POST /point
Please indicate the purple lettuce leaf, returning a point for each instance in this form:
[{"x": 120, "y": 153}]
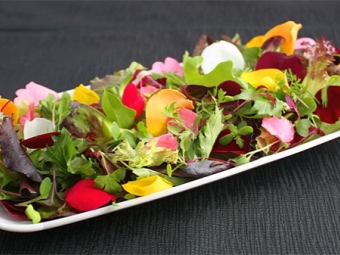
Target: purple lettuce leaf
[
  {"x": 13, "y": 210},
  {"x": 201, "y": 169},
  {"x": 15, "y": 158}
]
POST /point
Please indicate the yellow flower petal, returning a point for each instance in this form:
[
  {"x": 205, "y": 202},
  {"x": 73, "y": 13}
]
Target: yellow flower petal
[
  {"x": 155, "y": 107},
  {"x": 288, "y": 30},
  {"x": 85, "y": 95},
  {"x": 147, "y": 186},
  {"x": 268, "y": 77}
]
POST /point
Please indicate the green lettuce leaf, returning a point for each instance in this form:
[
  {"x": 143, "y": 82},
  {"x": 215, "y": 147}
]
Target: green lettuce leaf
[
  {"x": 222, "y": 72},
  {"x": 115, "y": 109}
]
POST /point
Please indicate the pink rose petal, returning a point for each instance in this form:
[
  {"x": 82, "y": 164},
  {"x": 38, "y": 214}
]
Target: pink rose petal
[
  {"x": 33, "y": 93},
  {"x": 188, "y": 117},
  {"x": 279, "y": 127},
  {"x": 303, "y": 43},
  {"x": 29, "y": 116},
  {"x": 147, "y": 90},
  {"x": 169, "y": 65},
  {"x": 167, "y": 141}
]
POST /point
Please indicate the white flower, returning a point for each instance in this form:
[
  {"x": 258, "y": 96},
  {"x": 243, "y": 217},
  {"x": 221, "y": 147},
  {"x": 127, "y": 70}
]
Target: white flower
[
  {"x": 37, "y": 126},
  {"x": 220, "y": 52}
]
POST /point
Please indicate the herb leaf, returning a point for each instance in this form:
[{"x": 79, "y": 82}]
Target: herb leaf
[
  {"x": 210, "y": 132},
  {"x": 114, "y": 109},
  {"x": 110, "y": 182}
]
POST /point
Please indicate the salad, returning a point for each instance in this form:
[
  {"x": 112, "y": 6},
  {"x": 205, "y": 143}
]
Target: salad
[{"x": 142, "y": 130}]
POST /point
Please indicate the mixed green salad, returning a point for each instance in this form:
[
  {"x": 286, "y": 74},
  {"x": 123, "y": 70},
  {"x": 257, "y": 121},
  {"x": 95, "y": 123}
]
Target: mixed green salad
[{"x": 142, "y": 130}]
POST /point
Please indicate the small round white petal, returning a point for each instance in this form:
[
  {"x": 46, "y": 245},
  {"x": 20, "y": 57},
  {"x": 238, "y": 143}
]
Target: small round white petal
[{"x": 218, "y": 52}]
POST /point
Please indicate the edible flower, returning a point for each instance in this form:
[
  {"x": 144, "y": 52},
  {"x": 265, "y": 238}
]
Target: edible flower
[
  {"x": 37, "y": 126},
  {"x": 271, "y": 78},
  {"x": 85, "y": 95},
  {"x": 187, "y": 119},
  {"x": 329, "y": 113},
  {"x": 33, "y": 93},
  {"x": 146, "y": 91},
  {"x": 167, "y": 141},
  {"x": 282, "y": 61},
  {"x": 265, "y": 139},
  {"x": 281, "y": 128},
  {"x": 7, "y": 107},
  {"x": 29, "y": 115},
  {"x": 303, "y": 43},
  {"x": 219, "y": 52},
  {"x": 288, "y": 30},
  {"x": 168, "y": 66},
  {"x": 132, "y": 99},
  {"x": 156, "y": 120},
  {"x": 85, "y": 196},
  {"x": 147, "y": 186}
]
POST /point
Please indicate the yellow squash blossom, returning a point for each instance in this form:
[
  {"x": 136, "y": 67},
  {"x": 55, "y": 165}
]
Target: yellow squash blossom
[
  {"x": 147, "y": 186},
  {"x": 156, "y": 120},
  {"x": 85, "y": 96},
  {"x": 288, "y": 30},
  {"x": 268, "y": 77}
]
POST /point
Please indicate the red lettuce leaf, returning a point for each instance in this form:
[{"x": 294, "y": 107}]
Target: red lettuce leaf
[{"x": 14, "y": 211}]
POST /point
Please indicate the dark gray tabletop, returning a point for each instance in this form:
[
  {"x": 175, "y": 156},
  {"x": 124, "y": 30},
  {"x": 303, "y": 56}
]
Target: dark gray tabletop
[{"x": 291, "y": 206}]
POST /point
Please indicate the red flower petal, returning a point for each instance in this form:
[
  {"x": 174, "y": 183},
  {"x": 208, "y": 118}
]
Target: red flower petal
[
  {"x": 40, "y": 141},
  {"x": 281, "y": 61},
  {"x": 230, "y": 87},
  {"x": 331, "y": 113},
  {"x": 85, "y": 196},
  {"x": 132, "y": 99}
]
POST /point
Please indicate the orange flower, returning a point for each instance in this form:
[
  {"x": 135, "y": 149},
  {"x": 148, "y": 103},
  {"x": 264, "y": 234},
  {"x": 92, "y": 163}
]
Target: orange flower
[
  {"x": 156, "y": 120},
  {"x": 7, "y": 107},
  {"x": 288, "y": 30}
]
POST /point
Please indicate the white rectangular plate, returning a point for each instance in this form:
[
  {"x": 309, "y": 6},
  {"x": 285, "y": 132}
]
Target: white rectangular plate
[{"x": 8, "y": 223}]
